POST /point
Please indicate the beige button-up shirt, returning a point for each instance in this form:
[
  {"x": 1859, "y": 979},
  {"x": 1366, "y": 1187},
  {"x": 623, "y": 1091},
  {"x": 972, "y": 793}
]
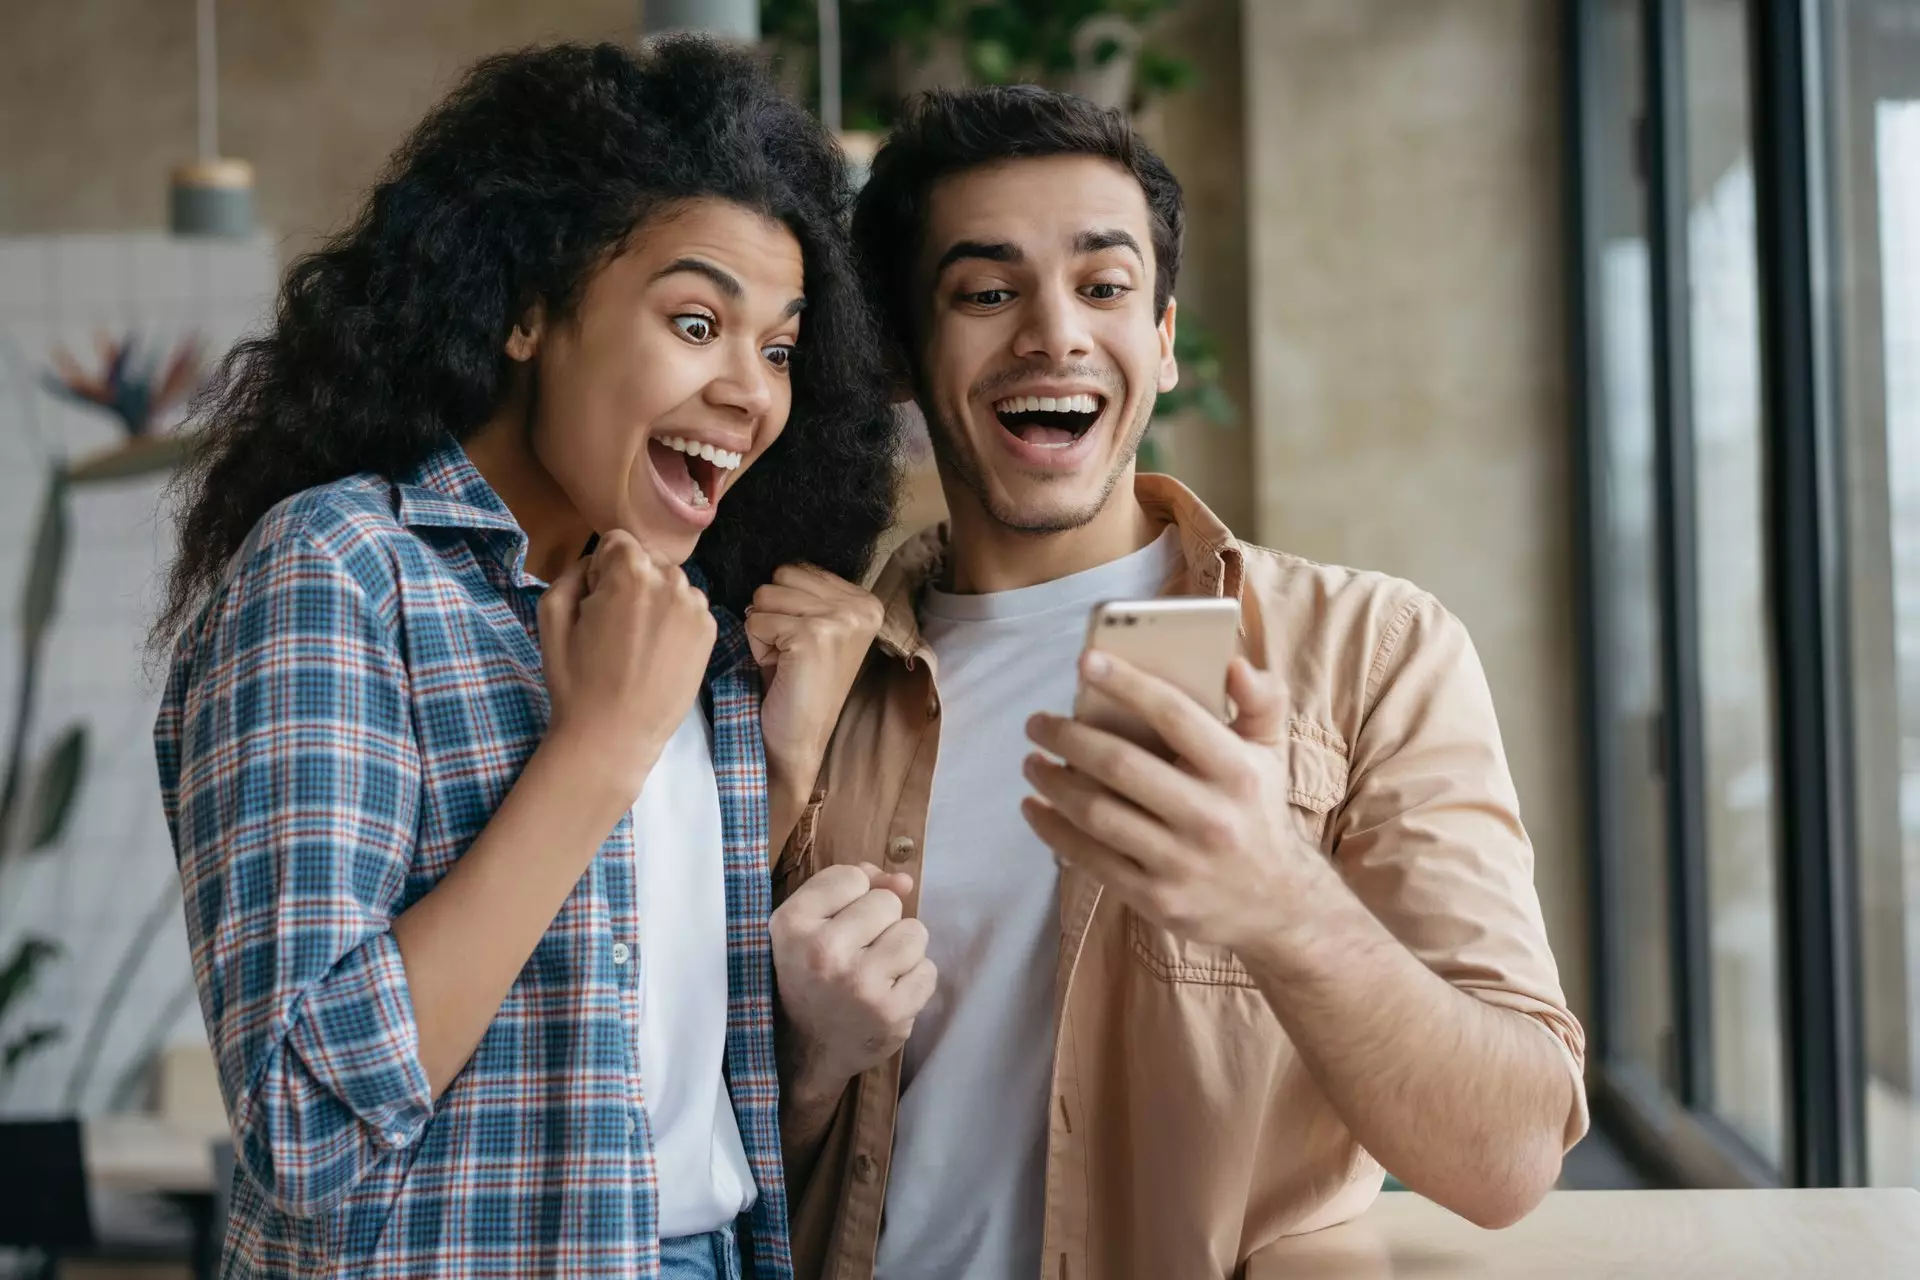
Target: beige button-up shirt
[{"x": 1185, "y": 1131}]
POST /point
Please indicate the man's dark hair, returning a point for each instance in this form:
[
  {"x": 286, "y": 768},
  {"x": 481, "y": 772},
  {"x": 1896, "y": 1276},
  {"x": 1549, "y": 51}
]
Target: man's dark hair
[
  {"x": 949, "y": 131},
  {"x": 537, "y": 170}
]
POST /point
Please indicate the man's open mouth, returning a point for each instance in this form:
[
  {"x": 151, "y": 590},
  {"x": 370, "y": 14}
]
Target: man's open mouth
[
  {"x": 689, "y": 470},
  {"x": 1049, "y": 422}
]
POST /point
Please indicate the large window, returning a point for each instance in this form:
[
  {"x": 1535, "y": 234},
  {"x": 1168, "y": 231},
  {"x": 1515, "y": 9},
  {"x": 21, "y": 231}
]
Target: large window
[
  {"x": 1746, "y": 236},
  {"x": 1874, "y": 91}
]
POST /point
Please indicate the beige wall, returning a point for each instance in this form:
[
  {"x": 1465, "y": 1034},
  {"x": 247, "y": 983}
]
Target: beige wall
[
  {"x": 97, "y": 98},
  {"x": 1410, "y": 394},
  {"x": 1201, "y": 133}
]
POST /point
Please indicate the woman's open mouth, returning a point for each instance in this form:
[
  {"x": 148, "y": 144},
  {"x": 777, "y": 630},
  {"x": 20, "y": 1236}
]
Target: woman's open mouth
[{"x": 690, "y": 474}]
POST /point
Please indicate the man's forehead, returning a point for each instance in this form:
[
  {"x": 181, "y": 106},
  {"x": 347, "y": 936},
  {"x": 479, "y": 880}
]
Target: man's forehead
[{"x": 1036, "y": 204}]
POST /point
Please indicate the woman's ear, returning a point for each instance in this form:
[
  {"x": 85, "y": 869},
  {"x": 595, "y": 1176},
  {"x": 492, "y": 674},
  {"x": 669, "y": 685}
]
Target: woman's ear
[{"x": 523, "y": 344}]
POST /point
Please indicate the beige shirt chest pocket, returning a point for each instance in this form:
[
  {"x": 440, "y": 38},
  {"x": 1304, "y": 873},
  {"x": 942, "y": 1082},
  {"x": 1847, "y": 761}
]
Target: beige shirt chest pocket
[{"x": 1316, "y": 785}]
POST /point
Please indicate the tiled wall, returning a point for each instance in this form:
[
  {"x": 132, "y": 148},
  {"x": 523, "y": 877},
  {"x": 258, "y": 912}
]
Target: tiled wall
[{"x": 105, "y": 890}]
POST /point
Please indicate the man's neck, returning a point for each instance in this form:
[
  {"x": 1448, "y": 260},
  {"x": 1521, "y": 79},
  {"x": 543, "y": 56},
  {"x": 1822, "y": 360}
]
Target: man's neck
[{"x": 985, "y": 555}]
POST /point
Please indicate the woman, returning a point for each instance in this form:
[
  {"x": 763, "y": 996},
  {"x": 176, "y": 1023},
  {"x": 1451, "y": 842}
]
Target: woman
[{"x": 464, "y": 772}]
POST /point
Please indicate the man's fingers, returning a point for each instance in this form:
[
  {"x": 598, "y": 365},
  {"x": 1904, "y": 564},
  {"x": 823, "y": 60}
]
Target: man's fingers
[
  {"x": 897, "y": 881},
  {"x": 1163, "y": 789},
  {"x": 1256, "y": 694},
  {"x": 768, "y": 634},
  {"x": 830, "y": 892},
  {"x": 1076, "y": 848},
  {"x": 913, "y": 990},
  {"x": 796, "y": 601},
  {"x": 1096, "y": 810},
  {"x": 812, "y": 578},
  {"x": 1189, "y": 729},
  {"x": 901, "y": 946},
  {"x": 856, "y": 925}
]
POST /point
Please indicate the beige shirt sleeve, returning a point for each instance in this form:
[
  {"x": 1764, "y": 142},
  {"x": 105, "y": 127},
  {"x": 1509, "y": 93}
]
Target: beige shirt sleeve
[{"x": 1430, "y": 836}]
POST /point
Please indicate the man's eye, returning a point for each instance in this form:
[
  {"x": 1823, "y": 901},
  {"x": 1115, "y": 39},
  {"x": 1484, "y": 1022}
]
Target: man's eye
[
  {"x": 779, "y": 355},
  {"x": 989, "y": 297},
  {"x": 1106, "y": 292},
  {"x": 697, "y": 328}
]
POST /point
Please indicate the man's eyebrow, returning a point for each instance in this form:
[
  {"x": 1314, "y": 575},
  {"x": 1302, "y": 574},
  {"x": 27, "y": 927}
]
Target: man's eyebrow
[
  {"x": 989, "y": 251},
  {"x": 1095, "y": 241}
]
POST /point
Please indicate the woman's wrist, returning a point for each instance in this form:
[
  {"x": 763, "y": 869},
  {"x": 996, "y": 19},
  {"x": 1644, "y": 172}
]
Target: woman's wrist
[{"x": 597, "y": 779}]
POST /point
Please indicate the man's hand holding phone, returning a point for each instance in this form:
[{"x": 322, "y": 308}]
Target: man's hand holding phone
[{"x": 1201, "y": 843}]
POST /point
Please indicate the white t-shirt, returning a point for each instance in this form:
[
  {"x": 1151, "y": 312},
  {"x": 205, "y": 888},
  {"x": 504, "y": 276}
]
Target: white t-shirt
[
  {"x": 680, "y": 876},
  {"x": 965, "y": 1198}
]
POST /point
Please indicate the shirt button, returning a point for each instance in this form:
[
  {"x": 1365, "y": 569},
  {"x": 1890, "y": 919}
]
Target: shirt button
[
  {"x": 633, "y": 1126},
  {"x": 900, "y": 850},
  {"x": 933, "y": 706},
  {"x": 620, "y": 953},
  {"x": 863, "y": 1167}
]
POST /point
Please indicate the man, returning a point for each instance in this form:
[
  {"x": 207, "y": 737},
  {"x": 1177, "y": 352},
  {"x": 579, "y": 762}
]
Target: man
[{"x": 1182, "y": 1009}]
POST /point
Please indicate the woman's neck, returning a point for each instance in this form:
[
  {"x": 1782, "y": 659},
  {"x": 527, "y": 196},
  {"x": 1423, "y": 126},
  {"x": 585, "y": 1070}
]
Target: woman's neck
[{"x": 502, "y": 452}]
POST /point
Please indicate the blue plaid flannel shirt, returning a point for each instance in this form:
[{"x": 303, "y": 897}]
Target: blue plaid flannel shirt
[{"x": 340, "y": 723}]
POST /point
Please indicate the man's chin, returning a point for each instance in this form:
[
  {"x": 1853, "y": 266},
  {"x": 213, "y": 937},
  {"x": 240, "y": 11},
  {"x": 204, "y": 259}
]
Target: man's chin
[{"x": 1051, "y": 506}]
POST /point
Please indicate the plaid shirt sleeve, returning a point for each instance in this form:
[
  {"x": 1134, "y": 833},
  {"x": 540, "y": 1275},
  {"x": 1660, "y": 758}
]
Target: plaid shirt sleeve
[{"x": 299, "y": 784}]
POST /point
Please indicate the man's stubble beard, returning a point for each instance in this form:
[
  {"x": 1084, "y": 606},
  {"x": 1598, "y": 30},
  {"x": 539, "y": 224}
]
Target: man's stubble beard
[{"x": 954, "y": 452}]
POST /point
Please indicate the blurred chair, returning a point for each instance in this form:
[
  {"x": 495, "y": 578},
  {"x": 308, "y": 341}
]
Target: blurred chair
[{"x": 48, "y": 1208}]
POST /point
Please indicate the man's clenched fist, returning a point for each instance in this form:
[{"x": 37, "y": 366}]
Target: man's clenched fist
[{"x": 853, "y": 975}]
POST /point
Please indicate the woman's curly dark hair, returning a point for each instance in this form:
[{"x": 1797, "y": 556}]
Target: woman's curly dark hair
[{"x": 532, "y": 174}]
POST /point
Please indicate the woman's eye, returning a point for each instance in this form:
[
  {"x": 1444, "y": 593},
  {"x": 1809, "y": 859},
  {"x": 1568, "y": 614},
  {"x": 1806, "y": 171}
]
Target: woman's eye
[
  {"x": 780, "y": 355},
  {"x": 697, "y": 328},
  {"x": 989, "y": 297}
]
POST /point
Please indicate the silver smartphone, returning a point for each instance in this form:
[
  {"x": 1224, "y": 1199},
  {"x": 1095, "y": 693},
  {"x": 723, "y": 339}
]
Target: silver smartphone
[{"x": 1188, "y": 641}]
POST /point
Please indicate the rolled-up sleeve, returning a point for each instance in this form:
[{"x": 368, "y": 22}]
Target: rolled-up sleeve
[
  {"x": 1430, "y": 836},
  {"x": 298, "y": 796}
]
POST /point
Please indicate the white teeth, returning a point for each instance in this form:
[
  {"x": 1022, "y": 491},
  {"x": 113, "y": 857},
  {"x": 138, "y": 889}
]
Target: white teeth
[
  {"x": 725, "y": 459},
  {"x": 1049, "y": 404}
]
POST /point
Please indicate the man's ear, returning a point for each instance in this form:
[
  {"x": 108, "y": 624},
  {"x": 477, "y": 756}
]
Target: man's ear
[
  {"x": 523, "y": 344},
  {"x": 1169, "y": 368}
]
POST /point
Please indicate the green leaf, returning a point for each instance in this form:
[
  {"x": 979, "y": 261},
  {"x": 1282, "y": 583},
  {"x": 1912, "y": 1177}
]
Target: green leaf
[
  {"x": 18, "y": 974},
  {"x": 1216, "y": 405},
  {"x": 59, "y": 784},
  {"x": 22, "y": 1046},
  {"x": 991, "y": 60},
  {"x": 1148, "y": 456},
  {"x": 48, "y": 559}
]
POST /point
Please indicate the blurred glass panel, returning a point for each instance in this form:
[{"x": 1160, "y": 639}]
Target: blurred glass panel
[
  {"x": 1739, "y": 723},
  {"x": 1632, "y": 646},
  {"x": 1874, "y": 124}
]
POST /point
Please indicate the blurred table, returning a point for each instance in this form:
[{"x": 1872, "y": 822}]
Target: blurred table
[
  {"x": 1575, "y": 1235},
  {"x": 141, "y": 1153}
]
